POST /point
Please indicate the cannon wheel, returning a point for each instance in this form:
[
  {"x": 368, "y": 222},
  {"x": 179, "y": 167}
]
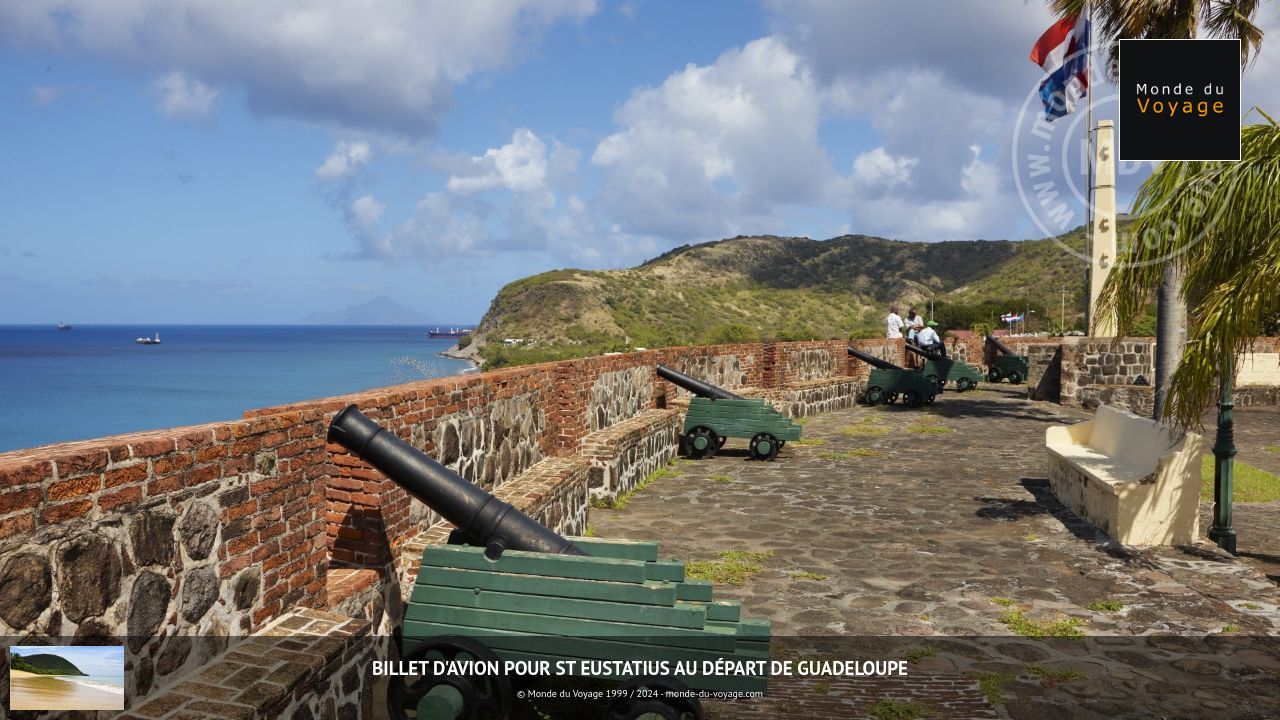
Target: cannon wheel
[
  {"x": 994, "y": 376},
  {"x": 1015, "y": 377},
  {"x": 662, "y": 698},
  {"x": 764, "y": 447},
  {"x": 936, "y": 381},
  {"x": 702, "y": 442},
  {"x": 891, "y": 398},
  {"x": 874, "y": 395},
  {"x": 480, "y": 697},
  {"x": 911, "y": 398},
  {"x": 964, "y": 384}
]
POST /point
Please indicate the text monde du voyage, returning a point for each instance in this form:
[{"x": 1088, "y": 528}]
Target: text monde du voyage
[{"x": 1179, "y": 99}]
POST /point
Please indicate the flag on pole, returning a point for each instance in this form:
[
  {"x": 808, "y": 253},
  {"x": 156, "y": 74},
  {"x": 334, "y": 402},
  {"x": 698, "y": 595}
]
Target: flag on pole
[{"x": 1062, "y": 52}]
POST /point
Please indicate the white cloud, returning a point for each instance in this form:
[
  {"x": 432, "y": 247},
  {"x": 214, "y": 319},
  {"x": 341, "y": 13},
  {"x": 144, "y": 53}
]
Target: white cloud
[
  {"x": 49, "y": 94},
  {"x": 519, "y": 166},
  {"x": 184, "y": 97},
  {"x": 378, "y": 65},
  {"x": 347, "y": 158},
  {"x": 878, "y": 168},
  {"x": 715, "y": 148}
]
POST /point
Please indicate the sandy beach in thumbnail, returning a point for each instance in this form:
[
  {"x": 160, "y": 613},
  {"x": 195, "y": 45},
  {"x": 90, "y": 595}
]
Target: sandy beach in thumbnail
[{"x": 28, "y": 691}]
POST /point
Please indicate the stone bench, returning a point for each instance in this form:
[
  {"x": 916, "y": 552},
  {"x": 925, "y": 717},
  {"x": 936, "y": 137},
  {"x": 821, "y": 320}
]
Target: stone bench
[
  {"x": 304, "y": 665},
  {"x": 1128, "y": 475},
  {"x": 623, "y": 454}
]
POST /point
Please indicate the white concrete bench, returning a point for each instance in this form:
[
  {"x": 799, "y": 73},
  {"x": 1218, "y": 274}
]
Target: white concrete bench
[{"x": 1136, "y": 480}]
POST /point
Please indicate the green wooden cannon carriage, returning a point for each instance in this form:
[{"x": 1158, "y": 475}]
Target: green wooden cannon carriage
[
  {"x": 716, "y": 414},
  {"x": 940, "y": 370},
  {"x": 508, "y": 590},
  {"x": 888, "y": 382},
  {"x": 599, "y": 613},
  {"x": 1003, "y": 364}
]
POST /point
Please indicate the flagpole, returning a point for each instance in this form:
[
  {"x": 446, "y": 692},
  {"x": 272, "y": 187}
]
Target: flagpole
[{"x": 1088, "y": 141}]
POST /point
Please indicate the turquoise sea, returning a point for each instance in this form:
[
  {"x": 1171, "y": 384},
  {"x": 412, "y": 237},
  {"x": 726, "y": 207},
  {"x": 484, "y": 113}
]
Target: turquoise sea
[{"x": 94, "y": 380}]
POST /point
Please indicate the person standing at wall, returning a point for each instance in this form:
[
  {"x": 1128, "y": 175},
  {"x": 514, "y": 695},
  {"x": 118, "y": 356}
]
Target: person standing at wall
[
  {"x": 914, "y": 324},
  {"x": 893, "y": 324}
]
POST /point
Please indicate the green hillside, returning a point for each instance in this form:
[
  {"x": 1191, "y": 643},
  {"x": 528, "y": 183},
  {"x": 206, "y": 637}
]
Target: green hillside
[
  {"x": 44, "y": 664},
  {"x": 764, "y": 288}
]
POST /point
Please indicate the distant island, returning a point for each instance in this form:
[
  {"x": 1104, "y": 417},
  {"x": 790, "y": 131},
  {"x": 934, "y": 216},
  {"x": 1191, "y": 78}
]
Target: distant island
[
  {"x": 44, "y": 664},
  {"x": 766, "y": 288},
  {"x": 381, "y": 310}
]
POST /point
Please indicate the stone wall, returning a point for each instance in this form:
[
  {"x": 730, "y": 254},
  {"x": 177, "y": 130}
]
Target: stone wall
[
  {"x": 620, "y": 395},
  {"x": 811, "y": 364}
]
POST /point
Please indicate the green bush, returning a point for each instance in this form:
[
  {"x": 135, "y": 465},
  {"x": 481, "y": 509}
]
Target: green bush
[
  {"x": 464, "y": 341},
  {"x": 735, "y": 333}
]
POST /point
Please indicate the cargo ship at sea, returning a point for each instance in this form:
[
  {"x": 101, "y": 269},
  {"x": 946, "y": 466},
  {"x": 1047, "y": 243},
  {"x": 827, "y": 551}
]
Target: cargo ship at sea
[{"x": 450, "y": 333}]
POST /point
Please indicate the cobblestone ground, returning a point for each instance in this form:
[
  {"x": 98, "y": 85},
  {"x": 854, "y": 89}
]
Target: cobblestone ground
[{"x": 890, "y": 539}]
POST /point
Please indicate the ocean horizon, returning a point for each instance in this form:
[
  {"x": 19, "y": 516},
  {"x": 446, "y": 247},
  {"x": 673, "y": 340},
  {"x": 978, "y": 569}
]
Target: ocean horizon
[{"x": 95, "y": 380}]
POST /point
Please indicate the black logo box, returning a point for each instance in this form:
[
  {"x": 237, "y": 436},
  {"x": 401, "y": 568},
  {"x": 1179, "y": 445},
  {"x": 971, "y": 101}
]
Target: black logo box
[{"x": 1185, "y": 65}]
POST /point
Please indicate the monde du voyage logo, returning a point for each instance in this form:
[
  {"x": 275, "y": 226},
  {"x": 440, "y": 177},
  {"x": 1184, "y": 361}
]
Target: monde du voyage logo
[{"x": 1179, "y": 100}]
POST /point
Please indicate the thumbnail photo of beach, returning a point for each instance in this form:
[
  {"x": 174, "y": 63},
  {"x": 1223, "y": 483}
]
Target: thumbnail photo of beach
[{"x": 66, "y": 678}]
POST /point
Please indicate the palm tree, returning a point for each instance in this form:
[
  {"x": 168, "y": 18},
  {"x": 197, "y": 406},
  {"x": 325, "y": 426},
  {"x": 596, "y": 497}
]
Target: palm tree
[
  {"x": 1222, "y": 222},
  {"x": 1169, "y": 19}
]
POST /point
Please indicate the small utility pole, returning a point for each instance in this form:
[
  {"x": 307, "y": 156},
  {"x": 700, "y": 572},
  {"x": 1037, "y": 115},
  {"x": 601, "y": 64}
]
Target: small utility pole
[
  {"x": 1062, "y": 324},
  {"x": 1224, "y": 450}
]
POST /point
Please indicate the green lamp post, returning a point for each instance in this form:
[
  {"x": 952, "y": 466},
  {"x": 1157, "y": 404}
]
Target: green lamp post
[{"x": 1224, "y": 449}]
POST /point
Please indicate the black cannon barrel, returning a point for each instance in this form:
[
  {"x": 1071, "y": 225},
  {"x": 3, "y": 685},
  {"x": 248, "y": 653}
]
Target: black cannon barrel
[
  {"x": 483, "y": 519},
  {"x": 873, "y": 361},
  {"x": 925, "y": 353},
  {"x": 995, "y": 343},
  {"x": 696, "y": 386}
]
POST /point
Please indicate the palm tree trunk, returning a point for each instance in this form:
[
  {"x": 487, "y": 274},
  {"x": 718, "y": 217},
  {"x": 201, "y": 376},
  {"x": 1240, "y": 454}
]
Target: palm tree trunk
[{"x": 1171, "y": 333}]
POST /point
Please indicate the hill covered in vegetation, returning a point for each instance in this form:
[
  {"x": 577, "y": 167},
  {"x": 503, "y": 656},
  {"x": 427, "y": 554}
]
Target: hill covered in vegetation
[
  {"x": 784, "y": 288},
  {"x": 44, "y": 664}
]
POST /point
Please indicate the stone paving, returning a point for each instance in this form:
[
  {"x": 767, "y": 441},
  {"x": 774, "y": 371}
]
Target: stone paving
[{"x": 890, "y": 539}]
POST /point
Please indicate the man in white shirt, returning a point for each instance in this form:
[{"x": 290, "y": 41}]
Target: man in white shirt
[
  {"x": 914, "y": 324},
  {"x": 894, "y": 324},
  {"x": 929, "y": 340}
]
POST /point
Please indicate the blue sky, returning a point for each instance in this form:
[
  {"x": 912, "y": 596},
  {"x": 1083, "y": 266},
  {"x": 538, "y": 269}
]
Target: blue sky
[
  {"x": 91, "y": 660},
  {"x": 172, "y": 161}
]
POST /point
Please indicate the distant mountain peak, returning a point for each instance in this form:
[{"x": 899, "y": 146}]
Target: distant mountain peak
[{"x": 380, "y": 310}]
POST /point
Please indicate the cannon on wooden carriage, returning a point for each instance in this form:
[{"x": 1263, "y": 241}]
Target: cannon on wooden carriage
[
  {"x": 940, "y": 369},
  {"x": 715, "y": 414},
  {"x": 888, "y": 382},
  {"x": 1003, "y": 363},
  {"x": 509, "y": 590}
]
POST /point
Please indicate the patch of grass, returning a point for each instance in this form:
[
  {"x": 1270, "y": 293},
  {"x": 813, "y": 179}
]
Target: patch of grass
[
  {"x": 822, "y": 688},
  {"x": 1251, "y": 606},
  {"x": 733, "y": 567},
  {"x": 1031, "y": 537},
  {"x": 1003, "y": 601},
  {"x": 991, "y": 685},
  {"x": 1248, "y": 483},
  {"x": 801, "y": 421},
  {"x": 898, "y": 710},
  {"x": 917, "y": 654},
  {"x": 1230, "y": 628},
  {"x": 929, "y": 429},
  {"x": 720, "y": 477},
  {"x": 810, "y": 442},
  {"x": 866, "y": 427},
  {"x": 1106, "y": 606},
  {"x": 1273, "y": 448},
  {"x": 806, "y": 575},
  {"x": 850, "y": 454},
  {"x": 671, "y": 469},
  {"x": 1066, "y": 627},
  {"x": 589, "y": 532},
  {"x": 1052, "y": 677}
]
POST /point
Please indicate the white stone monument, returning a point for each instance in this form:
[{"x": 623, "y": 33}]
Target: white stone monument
[{"x": 1103, "y": 250}]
